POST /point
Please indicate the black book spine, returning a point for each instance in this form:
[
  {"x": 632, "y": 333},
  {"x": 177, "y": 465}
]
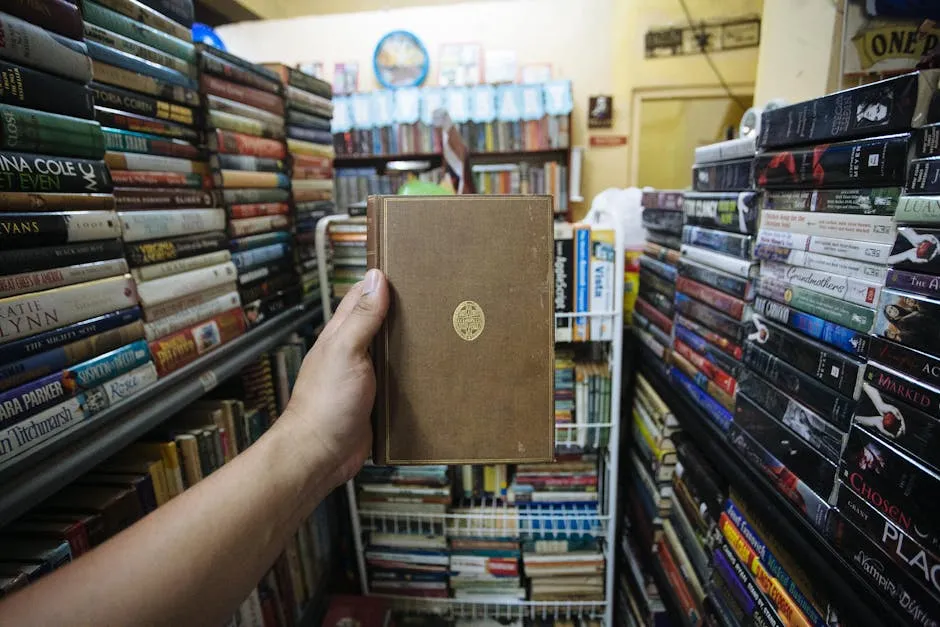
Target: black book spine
[
  {"x": 247, "y": 162},
  {"x": 924, "y": 176},
  {"x": 58, "y": 16},
  {"x": 157, "y": 251},
  {"x": 212, "y": 64},
  {"x": 736, "y": 212},
  {"x": 917, "y": 394},
  {"x": 24, "y": 87},
  {"x": 24, "y": 172},
  {"x": 730, "y": 283},
  {"x": 730, "y": 176},
  {"x": 112, "y": 97},
  {"x": 910, "y": 429},
  {"x": 181, "y": 11},
  {"x": 927, "y": 141},
  {"x": 26, "y": 230},
  {"x": 734, "y": 244},
  {"x": 49, "y": 257},
  {"x": 909, "y": 361}
]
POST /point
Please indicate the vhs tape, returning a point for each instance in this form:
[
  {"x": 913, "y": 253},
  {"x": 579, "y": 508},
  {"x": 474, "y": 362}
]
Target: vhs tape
[
  {"x": 726, "y": 176},
  {"x": 914, "y": 363},
  {"x": 663, "y": 199},
  {"x": 810, "y": 504},
  {"x": 735, "y": 307},
  {"x": 711, "y": 318},
  {"x": 843, "y": 373},
  {"x": 821, "y": 434},
  {"x": 728, "y": 211},
  {"x": 894, "y": 420},
  {"x": 908, "y": 319},
  {"x": 804, "y": 388},
  {"x": 733, "y": 244},
  {"x": 894, "y": 483},
  {"x": 916, "y": 249},
  {"x": 843, "y": 338},
  {"x": 923, "y": 176},
  {"x": 818, "y": 472},
  {"x": 924, "y": 397},
  {"x": 729, "y": 283},
  {"x": 877, "y": 201},
  {"x": 830, "y": 308},
  {"x": 665, "y": 220},
  {"x": 870, "y": 162}
]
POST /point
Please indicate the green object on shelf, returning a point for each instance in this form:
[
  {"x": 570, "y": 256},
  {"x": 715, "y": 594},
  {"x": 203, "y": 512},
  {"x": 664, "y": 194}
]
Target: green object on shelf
[{"x": 415, "y": 187}]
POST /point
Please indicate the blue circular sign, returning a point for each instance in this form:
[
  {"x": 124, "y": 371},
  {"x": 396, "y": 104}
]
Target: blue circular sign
[{"x": 400, "y": 60}]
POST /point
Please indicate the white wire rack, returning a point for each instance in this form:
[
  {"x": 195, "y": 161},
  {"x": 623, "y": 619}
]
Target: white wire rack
[{"x": 602, "y": 437}]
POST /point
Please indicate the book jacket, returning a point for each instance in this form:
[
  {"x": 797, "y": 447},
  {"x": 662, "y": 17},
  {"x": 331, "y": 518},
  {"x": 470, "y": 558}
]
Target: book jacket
[{"x": 465, "y": 357}]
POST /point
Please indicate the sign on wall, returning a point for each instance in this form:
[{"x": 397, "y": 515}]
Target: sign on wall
[
  {"x": 877, "y": 44},
  {"x": 707, "y": 36}
]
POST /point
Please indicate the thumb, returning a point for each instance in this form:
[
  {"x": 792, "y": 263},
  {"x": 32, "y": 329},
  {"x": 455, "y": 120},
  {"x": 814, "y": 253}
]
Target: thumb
[{"x": 365, "y": 318}]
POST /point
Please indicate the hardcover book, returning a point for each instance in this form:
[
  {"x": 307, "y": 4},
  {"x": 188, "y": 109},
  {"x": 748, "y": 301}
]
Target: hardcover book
[{"x": 465, "y": 358}]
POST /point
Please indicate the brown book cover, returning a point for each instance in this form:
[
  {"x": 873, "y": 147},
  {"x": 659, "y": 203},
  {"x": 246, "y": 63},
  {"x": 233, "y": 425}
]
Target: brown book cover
[{"x": 464, "y": 360}]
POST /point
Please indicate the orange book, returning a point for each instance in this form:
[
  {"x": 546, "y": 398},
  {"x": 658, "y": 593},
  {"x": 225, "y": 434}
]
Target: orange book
[{"x": 686, "y": 602}]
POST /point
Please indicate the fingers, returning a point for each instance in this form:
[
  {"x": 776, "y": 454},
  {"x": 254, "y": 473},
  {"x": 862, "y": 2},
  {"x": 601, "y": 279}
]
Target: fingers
[
  {"x": 366, "y": 316},
  {"x": 342, "y": 311}
]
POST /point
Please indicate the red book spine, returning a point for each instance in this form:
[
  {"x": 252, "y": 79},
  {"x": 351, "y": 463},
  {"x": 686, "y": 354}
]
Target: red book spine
[
  {"x": 687, "y": 603},
  {"x": 255, "y": 210},
  {"x": 654, "y": 315},
  {"x": 709, "y": 295},
  {"x": 305, "y": 195},
  {"x": 240, "y": 93},
  {"x": 174, "y": 149},
  {"x": 312, "y": 161},
  {"x": 721, "y": 378},
  {"x": 58, "y": 16},
  {"x": 183, "y": 347},
  {"x": 232, "y": 143},
  {"x": 132, "y": 178},
  {"x": 312, "y": 173}
]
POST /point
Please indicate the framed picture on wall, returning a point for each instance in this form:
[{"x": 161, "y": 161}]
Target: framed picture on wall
[
  {"x": 461, "y": 64},
  {"x": 500, "y": 66},
  {"x": 535, "y": 73},
  {"x": 346, "y": 78}
]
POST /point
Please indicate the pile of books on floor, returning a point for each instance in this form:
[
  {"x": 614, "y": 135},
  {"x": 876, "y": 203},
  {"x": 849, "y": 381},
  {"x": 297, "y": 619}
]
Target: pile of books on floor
[
  {"x": 582, "y": 402},
  {"x": 244, "y": 126},
  {"x": 348, "y": 246},
  {"x": 310, "y": 148},
  {"x": 71, "y": 339},
  {"x": 655, "y": 302}
]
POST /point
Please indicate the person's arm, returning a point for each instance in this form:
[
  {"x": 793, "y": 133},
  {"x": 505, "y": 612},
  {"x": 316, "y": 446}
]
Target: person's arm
[{"x": 195, "y": 559}]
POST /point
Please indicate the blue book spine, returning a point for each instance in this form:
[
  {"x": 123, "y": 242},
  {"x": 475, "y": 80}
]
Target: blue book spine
[
  {"x": 256, "y": 241},
  {"x": 719, "y": 415},
  {"x": 769, "y": 560},
  {"x": 582, "y": 251},
  {"x": 246, "y": 259},
  {"x": 833, "y": 334},
  {"x": 36, "y": 344},
  {"x": 30, "y": 398},
  {"x": 131, "y": 63},
  {"x": 283, "y": 181},
  {"x": 727, "y": 574}
]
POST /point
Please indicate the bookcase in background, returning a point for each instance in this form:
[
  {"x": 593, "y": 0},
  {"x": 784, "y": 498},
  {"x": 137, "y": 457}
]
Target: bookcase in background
[{"x": 503, "y": 526}]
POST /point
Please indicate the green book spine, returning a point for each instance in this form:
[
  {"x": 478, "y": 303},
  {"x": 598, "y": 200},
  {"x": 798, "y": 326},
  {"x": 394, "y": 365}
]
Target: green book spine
[
  {"x": 27, "y": 130},
  {"x": 130, "y": 46},
  {"x": 918, "y": 210},
  {"x": 836, "y": 310},
  {"x": 123, "y": 25}
]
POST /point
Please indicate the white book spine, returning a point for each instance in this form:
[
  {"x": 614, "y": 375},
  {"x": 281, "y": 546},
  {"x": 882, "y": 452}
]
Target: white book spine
[
  {"x": 878, "y": 229},
  {"x": 251, "y": 226},
  {"x": 178, "y": 285},
  {"x": 828, "y": 263},
  {"x": 157, "y": 163},
  {"x": 294, "y": 93},
  {"x": 32, "y": 46},
  {"x": 145, "y": 225},
  {"x": 727, "y": 263},
  {"x": 159, "y": 270},
  {"x": 175, "y": 306},
  {"x": 87, "y": 226},
  {"x": 869, "y": 252},
  {"x": 853, "y": 290},
  {"x": 230, "y": 106},
  {"x": 28, "y": 314},
  {"x": 189, "y": 317},
  {"x": 739, "y": 148},
  {"x": 14, "y": 284},
  {"x": 25, "y": 435},
  {"x": 655, "y": 347},
  {"x": 410, "y": 558}
]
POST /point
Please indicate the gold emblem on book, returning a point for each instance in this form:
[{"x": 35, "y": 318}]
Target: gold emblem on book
[{"x": 469, "y": 320}]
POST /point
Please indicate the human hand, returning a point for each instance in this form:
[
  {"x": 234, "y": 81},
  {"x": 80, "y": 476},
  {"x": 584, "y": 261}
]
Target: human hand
[{"x": 329, "y": 407}]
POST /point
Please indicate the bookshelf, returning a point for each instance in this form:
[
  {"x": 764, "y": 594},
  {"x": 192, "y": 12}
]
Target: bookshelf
[
  {"x": 30, "y": 479},
  {"x": 491, "y": 517},
  {"x": 379, "y": 161},
  {"x": 857, "y": 601}
]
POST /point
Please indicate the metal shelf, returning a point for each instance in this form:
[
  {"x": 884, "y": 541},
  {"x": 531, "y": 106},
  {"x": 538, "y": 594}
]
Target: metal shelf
[
  {"x": 480, "y": 609},
  {"x": 34, "y": 477},
  {"x": 855, "y": 600}
]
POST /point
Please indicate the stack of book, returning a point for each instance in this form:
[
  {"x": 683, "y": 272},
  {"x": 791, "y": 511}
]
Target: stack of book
[
  {"x": 713, "y": 287},
  {"x": 571, "y": 479},
  {"x": 348, "y": 243},
  {"x": 486, "y": 569},
  {"x": 70, "y": 335},
  {"x": 890, "y": 468},
  {"x": 654, "y": 311},
  {"x": 245, "y": 130},
  {"x": 524, "y": 178},
  {"x": 825, "y": 234},
  {"x": 310, "y": 145},
  {"x": 411, "y": 565}
]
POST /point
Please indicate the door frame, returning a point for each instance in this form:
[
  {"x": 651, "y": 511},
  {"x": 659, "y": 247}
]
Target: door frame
[{"x": 671, "y": 93}]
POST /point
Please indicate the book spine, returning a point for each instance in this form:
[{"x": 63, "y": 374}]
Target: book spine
[
  {"x": 663, "y": 270},
  {"x": 728, "y": 283},
  {"x": 20, "y": 438},
  {"x": 735, "y": 307},
  {"x": 601, "y": 288},
  {"x": 109, "y": 96},
  {"x": 25, "y": 87},
  {"x": 726, "y": 263},
  {"x": 25, "y": 130},
  {"x": 14, "y": 284},
  {"x": 688, "y": 606},
  {"x": 143, "y": 14},
  {"x": 924, "y": 284},
  {"x": 923, "y": 176},
  {"x": 31, "y": 45},
  {"x": 177, "y": 10},
  {"x": 849, "y": 340},
  {"x": 735, "y": 212},
  {"x": 261, "y": 289},
  {"x": 241, "y": 144},
  {"x": 909, "y": 361},
  {"x": 872, "y": 162},
  {"x": 257, "y": 241},
  {"x": 906, "y": 318},
  {"x": 582, "y": 253},
  {"x": 134, "y": 178},
  {"x": 880, "y": 229},
  {"x": 22, "y": 201},
  {"x": 730, "y": 176},
  {"x": 167, "y": 268},
  {"x": 715, "y": 410},
  {"x": 307, "y": 195},
  {"x": 212, "y": 64},
  {"x": 26, "y": 230},
  {"x": 25, "y": 172},
  {"x": 130, "y": 142},
  {"x": 141, "y": 124},
  {"x": 145, "y": 253},
  {"x": 123, "y": 25},
  {"x": 154, "y": 163},
  {"x": 736, "y": 594},
  {"x": 59, "y": 16},
  {"x": 852, "y": 290},
  {"x": 308, "y": 83},
  {"x": 247, "y": 162},
  {"x": 923, "y": 397},
  {"x": 171, "y": 324},
  {"x": 254, "y": 210},
  {"x": 879, "y": 201},
  {"x": 299, "y": 118},
  {"x": 129, "y": 46},
  {"x": 869, "y": 252},
  {"x": 740, "y": 148},
  {"x": 251, "y": 226},
  {"x": 714, "y": 374},
  {"x": 240, "y": 178},
  {"x": 918, "y": 209},
  {"x": 309, "y": 149},
  {"x": 309, "y": 102},
  {"x": 241, "y": 124},
  {"x": 42, "y": 342},
  {"x": 31, "y": 368},
  {"x": 183, "y": 347},
  {"x": 913, "y": 431},
  {"x": 712, "y": 318},
  {"x": 826, "y": 263},
  {"x": 701, "y": 380},
  {"x": 149, "y": 225},
  {"x": 733, "y": 244},
  {"x": 714, "y": 354},
  {"x": 311, "y": 135},
  {"x": 240, "y": 93},
  {"x": 302, "y": 172},
  {"x": 190, "y": 301},
  {"x": 170, "y": 198},
  {"x": 178, "y": 285},
  {"x": 133, "y": 80}
]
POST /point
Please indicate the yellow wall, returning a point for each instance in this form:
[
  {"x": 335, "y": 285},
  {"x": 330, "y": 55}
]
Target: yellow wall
[{"x": 598, "y": 44}]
